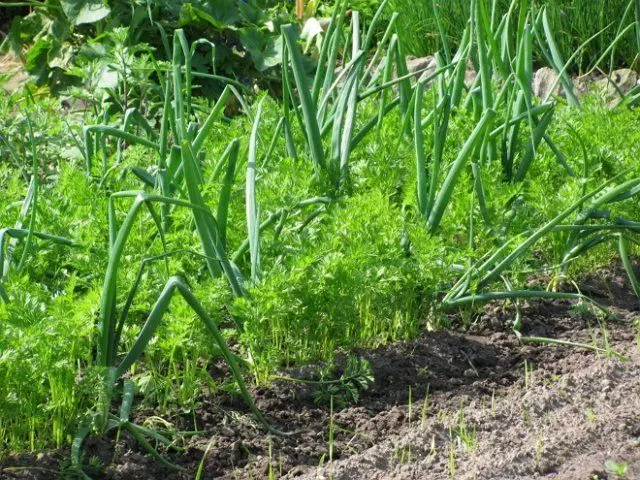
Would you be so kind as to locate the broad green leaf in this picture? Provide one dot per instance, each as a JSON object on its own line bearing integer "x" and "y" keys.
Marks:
{"x": 221, "y": 14}
{"x": 265, "y": 50}
{"x": 84, "y": 11}
{"x": 193, "y": 15}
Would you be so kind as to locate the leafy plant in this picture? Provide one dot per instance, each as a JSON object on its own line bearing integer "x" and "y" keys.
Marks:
{"x": 185, "y": 151}
{"x": 356, "y": 377}
{"x": 578, "y": 20}
{"x": 50, "y": 39}
{"x": 365, "y": 204}
{"x": 617, "y": 469}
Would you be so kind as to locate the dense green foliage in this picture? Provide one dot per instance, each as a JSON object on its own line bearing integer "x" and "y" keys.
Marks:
{"x": 346, "y": 279}
{"x": 573, "y": 23}
{"x": 357, "y": 209}
{"x": 240, "y": 38}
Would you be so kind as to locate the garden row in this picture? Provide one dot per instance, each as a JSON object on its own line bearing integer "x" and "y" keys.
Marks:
{"x": 363, "y": 205}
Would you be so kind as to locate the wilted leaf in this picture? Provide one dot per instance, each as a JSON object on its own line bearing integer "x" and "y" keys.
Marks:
{"x": 311, "y": 29}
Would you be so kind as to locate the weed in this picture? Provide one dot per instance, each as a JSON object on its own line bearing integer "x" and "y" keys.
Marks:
{"x": 464, "y": 437}
{"x": 539, "y": 450}
{"x": 451, "y": 463}
{"x": 528, "y": 374}
{"x": 424, "y": 410}
{"x": 617, "y": 469}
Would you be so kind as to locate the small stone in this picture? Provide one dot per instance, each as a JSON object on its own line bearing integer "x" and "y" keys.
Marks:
{"x": 543, "y": 80}
{"x": 415, "y": 64}
{"x": 469, "y": 74}
{"x": 621, "y": 80}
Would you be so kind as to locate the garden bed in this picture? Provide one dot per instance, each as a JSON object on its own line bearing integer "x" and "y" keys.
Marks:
{"x": 474, "y": 401}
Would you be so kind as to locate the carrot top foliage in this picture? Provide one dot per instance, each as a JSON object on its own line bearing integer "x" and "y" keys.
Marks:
{"x": 359, "y": 207}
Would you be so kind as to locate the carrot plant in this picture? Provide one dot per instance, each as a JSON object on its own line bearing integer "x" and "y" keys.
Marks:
{"x": 365, "y": 202}
{"x": 178, "y": 171}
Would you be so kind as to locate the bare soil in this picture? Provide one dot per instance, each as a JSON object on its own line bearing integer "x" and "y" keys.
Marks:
{"x": 472, "y": 403}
